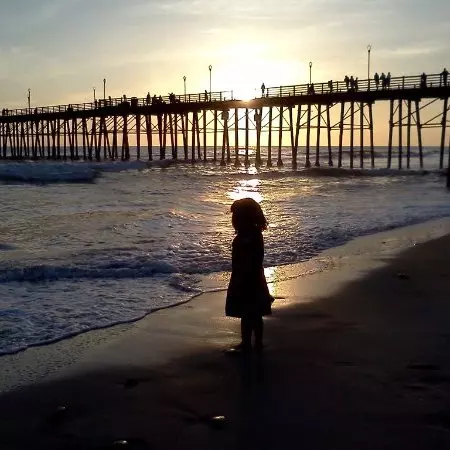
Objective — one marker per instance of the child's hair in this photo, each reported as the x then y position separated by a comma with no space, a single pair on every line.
247,215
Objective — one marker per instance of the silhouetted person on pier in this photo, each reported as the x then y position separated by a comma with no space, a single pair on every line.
206,95
311,89
330,85
352,83
355,84
110,100
248,296
148,98
347,81
376,77
444,75
388,80
423,80
154,100
383,80
263,89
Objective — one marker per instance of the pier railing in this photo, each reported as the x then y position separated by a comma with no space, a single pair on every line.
367,85
124,101
324,88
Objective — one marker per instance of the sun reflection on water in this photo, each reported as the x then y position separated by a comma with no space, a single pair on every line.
271,277
247,188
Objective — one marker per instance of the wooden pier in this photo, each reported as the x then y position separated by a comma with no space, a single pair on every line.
216,126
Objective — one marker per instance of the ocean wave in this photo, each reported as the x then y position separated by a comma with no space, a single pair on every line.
333,172
115,270
44,172
47,172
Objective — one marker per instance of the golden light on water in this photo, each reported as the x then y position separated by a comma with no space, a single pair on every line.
247,189
270,273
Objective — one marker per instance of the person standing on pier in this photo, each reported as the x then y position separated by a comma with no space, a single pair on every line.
444,76
147,99
347,81
423,80
376,77
388,80
248,296
352,83
383,80
330,85
263,89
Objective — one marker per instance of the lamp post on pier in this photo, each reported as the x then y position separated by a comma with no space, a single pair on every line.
369,47
95,98
104,88
310,69
210,69
29,99
184,81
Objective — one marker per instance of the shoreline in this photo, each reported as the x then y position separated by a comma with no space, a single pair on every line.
356,357
38,363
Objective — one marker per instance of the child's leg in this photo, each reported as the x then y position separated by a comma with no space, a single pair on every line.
246,331
258,327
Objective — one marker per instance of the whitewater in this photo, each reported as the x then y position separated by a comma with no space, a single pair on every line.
86,245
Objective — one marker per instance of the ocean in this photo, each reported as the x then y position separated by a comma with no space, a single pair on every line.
86,245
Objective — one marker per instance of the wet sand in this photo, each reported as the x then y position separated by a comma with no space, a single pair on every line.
357,357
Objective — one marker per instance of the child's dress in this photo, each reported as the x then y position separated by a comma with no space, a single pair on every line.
248,294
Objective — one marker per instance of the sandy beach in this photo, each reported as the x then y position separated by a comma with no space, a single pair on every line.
357,357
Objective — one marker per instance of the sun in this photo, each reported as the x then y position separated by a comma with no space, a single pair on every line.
245,71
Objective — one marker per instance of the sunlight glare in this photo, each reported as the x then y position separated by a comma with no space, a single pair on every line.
247,188
270,274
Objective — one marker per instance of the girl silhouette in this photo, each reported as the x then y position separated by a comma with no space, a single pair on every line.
248,296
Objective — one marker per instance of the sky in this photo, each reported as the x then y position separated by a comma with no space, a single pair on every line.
62,49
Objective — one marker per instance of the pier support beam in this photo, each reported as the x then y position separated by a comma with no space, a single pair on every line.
400,133
391,130
352,129
419,134
308,137
269,139
443,132
408,136
341,133
247,161
361,135
297,133
258,121
330,156
319,119
148,131
291,129
280,137
215,137
236,137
